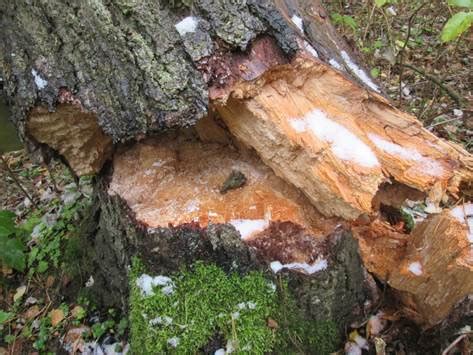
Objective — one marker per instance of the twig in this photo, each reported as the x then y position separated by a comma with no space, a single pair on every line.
406,41
369,22
452,93
455,342
443,122
17,182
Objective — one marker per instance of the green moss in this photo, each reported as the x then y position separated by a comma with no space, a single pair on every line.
300,335
206,304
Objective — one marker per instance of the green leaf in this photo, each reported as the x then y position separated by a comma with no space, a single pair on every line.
350,21
461,3
11,253
375,72
7,223
4,316
42,266
381,3
456,25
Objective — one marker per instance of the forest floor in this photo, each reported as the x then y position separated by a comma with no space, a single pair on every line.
45,306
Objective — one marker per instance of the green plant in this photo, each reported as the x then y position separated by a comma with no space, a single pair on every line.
202,304
4,316
59,241
344,20
12,247
460,22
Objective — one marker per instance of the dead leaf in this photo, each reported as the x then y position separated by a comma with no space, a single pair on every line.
31,313
77,311
57,316
50,281
272,323
20,291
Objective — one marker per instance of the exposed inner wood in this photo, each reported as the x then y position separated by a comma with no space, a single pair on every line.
177,180
337,142
432,268
74,134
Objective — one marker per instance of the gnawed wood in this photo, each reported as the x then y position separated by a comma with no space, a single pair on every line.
432,268
164,204
74,134
174,181
338,142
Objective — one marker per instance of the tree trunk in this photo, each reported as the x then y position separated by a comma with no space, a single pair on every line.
267,80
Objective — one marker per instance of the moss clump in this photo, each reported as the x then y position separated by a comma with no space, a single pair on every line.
300,335
203,303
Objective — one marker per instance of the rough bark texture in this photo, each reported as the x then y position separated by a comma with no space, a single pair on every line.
124,61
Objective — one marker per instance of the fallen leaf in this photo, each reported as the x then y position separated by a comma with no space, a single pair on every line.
272,323
57,316
20,291
78,312
50,281
31,313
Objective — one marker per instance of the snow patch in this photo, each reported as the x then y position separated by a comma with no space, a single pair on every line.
376,323
220,352
296,20
174,342
310,49
429,166
415,268
146,284
159,163
165,320
192,206
335,64
318,265
464,214
344,144
247,227
38,80
187,25
360,73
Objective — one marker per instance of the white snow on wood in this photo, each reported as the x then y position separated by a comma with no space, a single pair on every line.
335,64
187,25
146,283
192,206
296,20
318,265
247,227
310,49
394,149
159,163
464,214
344,144
429,166
415,268
38,80
360,73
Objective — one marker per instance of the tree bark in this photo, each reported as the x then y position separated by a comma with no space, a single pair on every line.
272,77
